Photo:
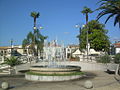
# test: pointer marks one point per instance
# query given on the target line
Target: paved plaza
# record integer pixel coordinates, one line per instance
(101, 81)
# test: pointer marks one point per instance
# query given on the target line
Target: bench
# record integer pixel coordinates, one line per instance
(113, 68)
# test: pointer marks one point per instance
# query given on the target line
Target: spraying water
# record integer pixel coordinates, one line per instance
(53, 53)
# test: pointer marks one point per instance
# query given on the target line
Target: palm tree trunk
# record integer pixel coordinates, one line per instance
(86, 18)
(34, 22)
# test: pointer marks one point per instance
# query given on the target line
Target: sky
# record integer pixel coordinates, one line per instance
(57, 17)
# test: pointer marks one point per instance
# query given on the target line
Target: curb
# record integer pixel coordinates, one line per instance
(117, 78)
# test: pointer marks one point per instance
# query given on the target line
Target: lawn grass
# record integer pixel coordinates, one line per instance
(1, 70)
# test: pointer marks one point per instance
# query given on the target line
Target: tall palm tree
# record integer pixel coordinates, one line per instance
(86, 11)
(35, 15)
(35, 40)
(111, 7)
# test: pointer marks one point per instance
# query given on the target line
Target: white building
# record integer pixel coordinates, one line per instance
(69, 50)
(116, 47)
(15, 50)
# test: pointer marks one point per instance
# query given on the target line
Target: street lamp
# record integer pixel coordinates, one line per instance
(87, 44)
(78, 26)
(41, 27)
(35, 29)
(87, 40)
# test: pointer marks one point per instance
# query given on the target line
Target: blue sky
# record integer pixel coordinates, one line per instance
(58, 17)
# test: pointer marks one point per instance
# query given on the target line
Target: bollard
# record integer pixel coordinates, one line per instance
(5, 85)
(88, 84)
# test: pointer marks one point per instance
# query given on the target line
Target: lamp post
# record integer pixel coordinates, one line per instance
(40, 52)
(35, 38)
(78, 26)
(87, 44)
(34, 28)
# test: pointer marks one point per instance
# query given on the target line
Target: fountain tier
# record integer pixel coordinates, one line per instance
(43, 73)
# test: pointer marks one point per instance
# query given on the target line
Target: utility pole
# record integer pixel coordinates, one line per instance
(11, 42)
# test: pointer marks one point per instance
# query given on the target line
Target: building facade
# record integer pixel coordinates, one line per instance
(115, 48)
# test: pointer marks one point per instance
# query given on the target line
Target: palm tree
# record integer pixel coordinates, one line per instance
(35, 15)
(12, 62)
(39, 41)
(111, 7)
(86, 11)
(35, 40)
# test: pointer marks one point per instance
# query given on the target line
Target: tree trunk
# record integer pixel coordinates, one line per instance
(35, 22)
(86, 18)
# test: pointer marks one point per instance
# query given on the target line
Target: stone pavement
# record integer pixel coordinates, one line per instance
(117, 77)
(101, 81)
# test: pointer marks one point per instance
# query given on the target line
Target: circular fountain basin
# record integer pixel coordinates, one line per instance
(45, 73)
(53, 70)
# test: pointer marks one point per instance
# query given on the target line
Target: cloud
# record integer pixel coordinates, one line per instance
(66, 32)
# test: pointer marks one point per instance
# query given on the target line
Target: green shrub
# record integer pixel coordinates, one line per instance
(104, 59)
(117, 58)
(12, 61)
(0, 70)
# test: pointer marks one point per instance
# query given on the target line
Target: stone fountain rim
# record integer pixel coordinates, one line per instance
(51, 78)
(60, 67)
(44, 68)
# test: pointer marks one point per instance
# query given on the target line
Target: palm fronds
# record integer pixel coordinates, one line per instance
(111, 8)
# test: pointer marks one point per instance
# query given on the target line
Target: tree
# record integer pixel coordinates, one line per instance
(39, 42)
(12, 62)
(25, 42)
(117, 58)
(97, 36)
(86, 11)
(35, 15)
(104, 59)
(35, 40)
(29, 41)
(111, 8)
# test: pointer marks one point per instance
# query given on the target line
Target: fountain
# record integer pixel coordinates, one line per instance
(53, 71)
